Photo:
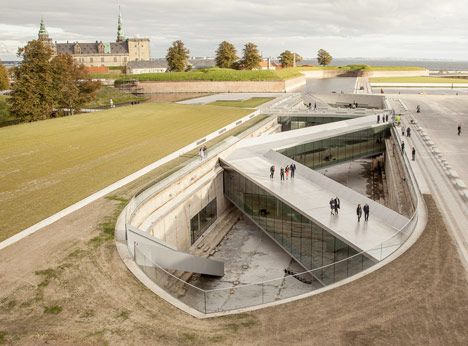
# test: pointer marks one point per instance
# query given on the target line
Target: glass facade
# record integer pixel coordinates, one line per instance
(204, 219)
(339, 149)
(307, 242)
(289, 123)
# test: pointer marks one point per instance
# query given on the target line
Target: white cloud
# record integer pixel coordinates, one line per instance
(373, 28)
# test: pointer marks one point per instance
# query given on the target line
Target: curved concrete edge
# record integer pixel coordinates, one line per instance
(141, 276)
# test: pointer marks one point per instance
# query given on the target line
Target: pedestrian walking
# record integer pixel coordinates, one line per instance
(282, 173)
(337, 205)
(272, 172)
(459, 129)
(386, 118)
(286, 171)
(403, 131)
(408, 132)
(378, 118)
(413, 154)
(359, 212)
(366, 212)
(200, 153)
(332, 206)
(292, 167)
(402, 147)
(315, 106)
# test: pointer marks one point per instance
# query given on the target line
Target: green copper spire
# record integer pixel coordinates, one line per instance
(120, 34)
(43, 34)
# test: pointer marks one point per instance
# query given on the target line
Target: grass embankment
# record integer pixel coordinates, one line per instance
(248, 103)
(104, 95)
(49, 165)
(418, 80)
(217, 74)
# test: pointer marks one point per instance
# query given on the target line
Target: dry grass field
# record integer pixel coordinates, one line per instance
(48, 165)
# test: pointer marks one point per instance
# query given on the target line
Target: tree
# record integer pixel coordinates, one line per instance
(44, 86)
(288, 58)
(72, 85)
(32, 95)
(4, 80)
(323, 57)
(177, 57)
(251, 58)
(226, 55)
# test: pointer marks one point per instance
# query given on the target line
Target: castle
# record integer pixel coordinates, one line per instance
(118, 53)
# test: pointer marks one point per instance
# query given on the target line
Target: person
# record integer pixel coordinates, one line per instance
(459, 129)
(337, 205)
(286, 171)
(402, 147)
(408, 132)
(413, 153)
(315, 106)
(332, 206)
(272, 172)
(386, 118)
(282, 173)
(293, 169)
(111, 103)
(418, 109)
(403, 131)
(200, 152)
(366, 212)
(359, 212)
(310, 105)
(378, 119)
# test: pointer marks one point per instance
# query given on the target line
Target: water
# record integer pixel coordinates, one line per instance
(433, 65)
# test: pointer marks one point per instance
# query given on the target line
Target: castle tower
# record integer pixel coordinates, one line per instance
(43, 34)
(120, 34)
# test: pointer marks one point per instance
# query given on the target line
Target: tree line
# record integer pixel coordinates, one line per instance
(226, 57)
(46, 86)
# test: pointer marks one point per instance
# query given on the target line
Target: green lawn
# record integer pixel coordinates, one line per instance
(104, 94)
(218, 74)
(417, 80)
(51, 164)
(249, 103)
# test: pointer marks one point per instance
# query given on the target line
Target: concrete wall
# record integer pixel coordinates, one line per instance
(373, 101)
(166, 213)
(221, 87)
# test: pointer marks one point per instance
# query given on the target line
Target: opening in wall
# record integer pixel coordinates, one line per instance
(204, 219)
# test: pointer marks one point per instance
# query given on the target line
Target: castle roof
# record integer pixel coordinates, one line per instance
(91, 48)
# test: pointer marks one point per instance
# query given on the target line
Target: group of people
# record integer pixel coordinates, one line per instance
(284, 172)
(408, 131)
(309, 105)
(335, 207)
(364, 209)
(384, 118)
(202, 152)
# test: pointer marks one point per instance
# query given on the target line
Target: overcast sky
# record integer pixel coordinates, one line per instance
(346, 28)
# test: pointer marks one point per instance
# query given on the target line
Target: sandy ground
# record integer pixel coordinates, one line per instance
(85, 295)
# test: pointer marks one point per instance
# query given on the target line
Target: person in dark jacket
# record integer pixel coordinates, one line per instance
(408, 132)
(337, 205)
(292, 167)
(359, 212)
(413, 154)
(366, 212)
(332, 206)
(282, 173)
(272, 172)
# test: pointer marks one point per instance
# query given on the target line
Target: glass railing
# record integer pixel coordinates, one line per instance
(288, 286)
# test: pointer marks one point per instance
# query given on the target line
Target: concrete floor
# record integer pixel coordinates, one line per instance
(250, 256)
(439, 117)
